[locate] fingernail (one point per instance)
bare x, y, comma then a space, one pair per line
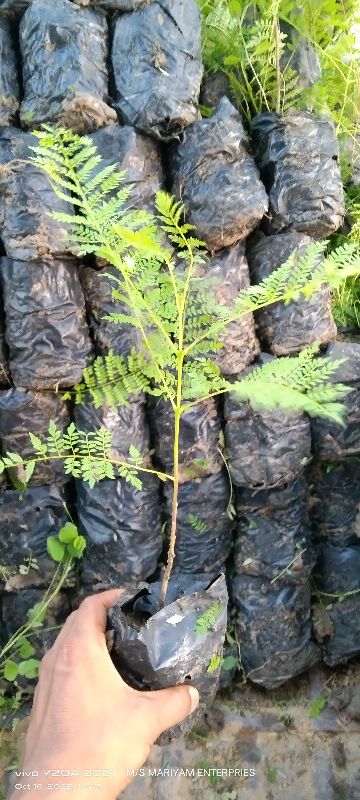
194, 698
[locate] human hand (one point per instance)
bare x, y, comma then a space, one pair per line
85, 717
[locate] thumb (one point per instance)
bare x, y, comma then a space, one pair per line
171, 706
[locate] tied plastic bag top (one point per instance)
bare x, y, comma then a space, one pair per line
287, 329
118, 337
122, 526
157, 68
9, 82
21, 412
200, 430
182, 643
127, 425
27, 521
204, 525
46, 332
26, 198
227, 273
335, 503
64, 56
138, 155
274, 630
331, 441
273, 534
265, 448
297, 155
214, 174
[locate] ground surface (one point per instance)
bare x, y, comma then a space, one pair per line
295, 756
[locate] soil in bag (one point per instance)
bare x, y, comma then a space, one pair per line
274, 630
48, 339
26, 198
122, 526
335, 503
182, 643
204, 526
287, 329
64, 55
265, 448
9, 82
225, 275
298, 159
21, 412
332, 441
107, 335
214, 174
127, 425
157, 68
200, 429
27, 521
273, 534
138, 155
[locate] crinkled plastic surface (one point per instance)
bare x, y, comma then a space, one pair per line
287, 329
26, 198
274, 630
157, 68
64, 56
26, 522
9, 82
122, 526
114, 5
335, 503
138, 155
21, 412
13, 8
15, 606
265, 448
338, 568
180, 584
273, 535
228, 273
200, 429
107, 335
173, 647
127, 425
297, 155
49, 344
331, 441
339, 632
204, 529
214, 174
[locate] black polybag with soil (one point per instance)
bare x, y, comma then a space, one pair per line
332, 441
122, 526
64, 57
181, 643
48, 339
273, 534
127, 425
21, 412
26, 522
157, 67
9, 82
204, 527
107, 335
265, 448
298, 159
200, 429
286, 329
135, 153
273, 629
336, 626
214, 174
26, 198
227, 273
335, 503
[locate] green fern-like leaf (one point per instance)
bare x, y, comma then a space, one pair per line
207, 620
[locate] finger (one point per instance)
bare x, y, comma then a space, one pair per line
170, 707
91, 614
